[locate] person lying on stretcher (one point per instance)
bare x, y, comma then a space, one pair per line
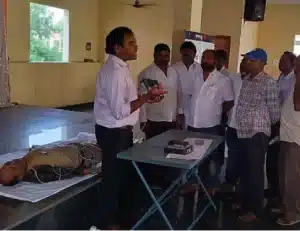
44, 164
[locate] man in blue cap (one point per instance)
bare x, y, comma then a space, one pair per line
257, 110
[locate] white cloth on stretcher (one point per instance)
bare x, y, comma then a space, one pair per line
33, 192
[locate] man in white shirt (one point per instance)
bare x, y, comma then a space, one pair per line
187, 70
160, 117
116, 110
286, 82
233, 167
286, 79
212, 95
221, 62
289, 157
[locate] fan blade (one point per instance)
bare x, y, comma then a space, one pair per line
140, 5
149, 4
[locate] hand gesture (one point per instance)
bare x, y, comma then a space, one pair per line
156, 93
156, 100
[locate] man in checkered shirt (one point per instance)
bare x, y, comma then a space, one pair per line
258, 108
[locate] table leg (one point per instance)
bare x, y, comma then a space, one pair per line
198, 217
162, 200
149, 190
206, 193
211, 202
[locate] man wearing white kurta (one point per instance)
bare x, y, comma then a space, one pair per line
212, 95
158, 118
187, 70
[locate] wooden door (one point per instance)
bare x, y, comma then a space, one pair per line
222, 42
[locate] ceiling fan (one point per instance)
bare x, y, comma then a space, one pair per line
138, 4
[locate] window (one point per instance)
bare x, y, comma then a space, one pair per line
49, 34
297, 45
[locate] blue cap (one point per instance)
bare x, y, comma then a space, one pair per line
257, 54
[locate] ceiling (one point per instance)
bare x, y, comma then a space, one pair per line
283, 1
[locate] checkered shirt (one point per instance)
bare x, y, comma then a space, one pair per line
258, 106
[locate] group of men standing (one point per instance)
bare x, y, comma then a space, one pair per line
198, 97
206, 94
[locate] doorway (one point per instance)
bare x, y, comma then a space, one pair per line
222, 42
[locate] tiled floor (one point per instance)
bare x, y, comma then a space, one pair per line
212, 221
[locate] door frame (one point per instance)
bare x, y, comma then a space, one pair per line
228, 38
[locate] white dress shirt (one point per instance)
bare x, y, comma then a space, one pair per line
236, 81
186, 79
115, 90
165, 110
290, 121
224, 71
207, 100
286, 84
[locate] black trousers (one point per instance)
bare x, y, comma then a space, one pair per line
154, 128
252, 178
235, 155
118, 176
217, 157
218, 131
272, 170
158, 175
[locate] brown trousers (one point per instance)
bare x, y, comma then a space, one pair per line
289, 178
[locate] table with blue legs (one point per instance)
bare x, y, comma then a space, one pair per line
152, 152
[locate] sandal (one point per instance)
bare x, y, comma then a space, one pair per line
248, 218
284, 221
277, 210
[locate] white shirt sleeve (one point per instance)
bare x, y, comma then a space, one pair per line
179, 94
116, 92
142, 116
227, 90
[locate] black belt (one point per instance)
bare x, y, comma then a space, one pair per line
126, 127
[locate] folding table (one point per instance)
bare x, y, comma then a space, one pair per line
152, 152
